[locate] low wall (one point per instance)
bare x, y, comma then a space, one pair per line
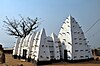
8, 51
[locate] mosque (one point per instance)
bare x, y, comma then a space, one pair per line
69, 45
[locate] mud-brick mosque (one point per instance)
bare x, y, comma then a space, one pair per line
69, 45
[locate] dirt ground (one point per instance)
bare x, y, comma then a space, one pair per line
15, 62
90, 63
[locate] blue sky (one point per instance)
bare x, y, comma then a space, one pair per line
52, 14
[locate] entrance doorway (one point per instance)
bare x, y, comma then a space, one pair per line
65, 55
24, 53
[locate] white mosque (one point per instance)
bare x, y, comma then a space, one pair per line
69, 45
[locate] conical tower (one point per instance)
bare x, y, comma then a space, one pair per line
15, 49
30, 43
34, 46
73, 42
20, 47
56, 46
41, 48
24, 49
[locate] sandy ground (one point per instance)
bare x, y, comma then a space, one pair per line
78, 64
15, 62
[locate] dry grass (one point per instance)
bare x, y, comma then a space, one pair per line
14, 62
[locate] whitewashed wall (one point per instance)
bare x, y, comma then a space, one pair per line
15, 49
40, 47
72, 36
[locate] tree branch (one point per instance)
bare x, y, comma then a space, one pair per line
22, 27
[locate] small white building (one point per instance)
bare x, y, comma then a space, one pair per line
70, 44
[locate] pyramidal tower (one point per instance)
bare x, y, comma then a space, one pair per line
41, 50
73, 42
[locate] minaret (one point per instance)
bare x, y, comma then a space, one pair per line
15, 49
56, 46
24, 47
34, 45
20, 47
41, 48
73, 42
30, 43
